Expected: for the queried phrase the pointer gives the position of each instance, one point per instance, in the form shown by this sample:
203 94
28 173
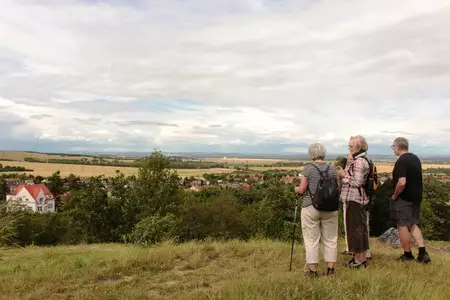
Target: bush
153 230
41 229
219 219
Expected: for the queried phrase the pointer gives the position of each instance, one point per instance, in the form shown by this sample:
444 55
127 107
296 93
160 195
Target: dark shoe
331 272
404 257
345 252
423 258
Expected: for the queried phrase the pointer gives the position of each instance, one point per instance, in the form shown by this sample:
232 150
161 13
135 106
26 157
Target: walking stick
293 232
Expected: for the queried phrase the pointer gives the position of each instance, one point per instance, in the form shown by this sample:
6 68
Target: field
210 270
47 169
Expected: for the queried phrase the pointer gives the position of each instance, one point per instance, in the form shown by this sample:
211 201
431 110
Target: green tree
56 185
4 189
157 189
435 220
90 213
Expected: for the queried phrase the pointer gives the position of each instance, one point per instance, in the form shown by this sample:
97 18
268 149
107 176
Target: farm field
47 169
21 155
211 270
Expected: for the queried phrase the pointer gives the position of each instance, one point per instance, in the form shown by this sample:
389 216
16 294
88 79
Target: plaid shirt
353 182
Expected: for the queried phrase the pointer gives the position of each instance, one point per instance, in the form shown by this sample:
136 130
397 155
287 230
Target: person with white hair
317 225
354 196
349 160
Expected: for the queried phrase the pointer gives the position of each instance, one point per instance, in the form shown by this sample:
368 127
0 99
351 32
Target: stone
390 238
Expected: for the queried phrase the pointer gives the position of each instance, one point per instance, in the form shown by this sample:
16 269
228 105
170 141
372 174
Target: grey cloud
317 62
215 126
144 123
229 111
399 132
88 121
40 116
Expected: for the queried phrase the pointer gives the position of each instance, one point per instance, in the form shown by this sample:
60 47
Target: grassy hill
212 270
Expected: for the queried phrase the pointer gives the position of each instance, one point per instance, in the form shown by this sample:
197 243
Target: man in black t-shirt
406 200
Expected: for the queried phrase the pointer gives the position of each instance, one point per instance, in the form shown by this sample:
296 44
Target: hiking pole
293 232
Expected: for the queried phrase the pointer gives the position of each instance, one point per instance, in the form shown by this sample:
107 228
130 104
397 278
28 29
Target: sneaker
331 272
356 265
350 262
404 257
424 258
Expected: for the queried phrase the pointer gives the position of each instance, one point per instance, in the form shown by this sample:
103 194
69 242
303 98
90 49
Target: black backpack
326 197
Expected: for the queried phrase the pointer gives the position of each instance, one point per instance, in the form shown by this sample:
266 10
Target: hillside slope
212 270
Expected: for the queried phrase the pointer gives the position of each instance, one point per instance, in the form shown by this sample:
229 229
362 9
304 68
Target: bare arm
303 186
399 188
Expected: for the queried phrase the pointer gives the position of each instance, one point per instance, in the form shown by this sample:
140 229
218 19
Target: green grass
210 270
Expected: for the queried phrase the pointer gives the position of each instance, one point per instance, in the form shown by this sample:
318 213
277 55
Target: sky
249 76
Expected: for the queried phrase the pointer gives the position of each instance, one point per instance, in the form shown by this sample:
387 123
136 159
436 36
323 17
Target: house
36 197
246 187
196 188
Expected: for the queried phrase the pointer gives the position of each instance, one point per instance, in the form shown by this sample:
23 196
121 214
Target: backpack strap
321 177
369 175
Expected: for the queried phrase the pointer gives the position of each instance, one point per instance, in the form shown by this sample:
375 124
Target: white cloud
267 72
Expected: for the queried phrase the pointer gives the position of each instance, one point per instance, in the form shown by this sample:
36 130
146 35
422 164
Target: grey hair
361 143
402 143
316 151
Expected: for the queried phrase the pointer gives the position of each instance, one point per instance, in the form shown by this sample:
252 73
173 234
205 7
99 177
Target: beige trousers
319 226
345 229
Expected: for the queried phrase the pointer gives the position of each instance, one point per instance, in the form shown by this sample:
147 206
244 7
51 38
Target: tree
90 214
157 187
435 220
4 189
56 186
38 179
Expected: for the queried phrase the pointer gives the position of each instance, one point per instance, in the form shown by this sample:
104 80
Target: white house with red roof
35 197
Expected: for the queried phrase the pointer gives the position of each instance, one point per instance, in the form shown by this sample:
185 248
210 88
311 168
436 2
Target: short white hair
402 143
317 151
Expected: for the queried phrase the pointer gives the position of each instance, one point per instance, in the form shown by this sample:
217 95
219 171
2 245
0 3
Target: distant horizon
230 155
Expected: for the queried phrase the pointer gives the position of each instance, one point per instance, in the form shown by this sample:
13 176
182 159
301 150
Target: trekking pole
293 232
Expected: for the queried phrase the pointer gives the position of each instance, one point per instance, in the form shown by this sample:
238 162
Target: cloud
40 116
145 123
182 74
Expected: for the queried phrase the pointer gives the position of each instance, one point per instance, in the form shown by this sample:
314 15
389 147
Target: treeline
13 169
153 207
173 163
437 171
83 161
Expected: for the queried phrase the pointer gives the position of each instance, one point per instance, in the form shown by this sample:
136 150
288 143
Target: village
34 194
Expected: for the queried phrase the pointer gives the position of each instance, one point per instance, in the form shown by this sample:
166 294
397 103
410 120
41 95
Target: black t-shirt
408 165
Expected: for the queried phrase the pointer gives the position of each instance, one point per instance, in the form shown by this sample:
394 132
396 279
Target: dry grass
47 169
212 270
21 155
